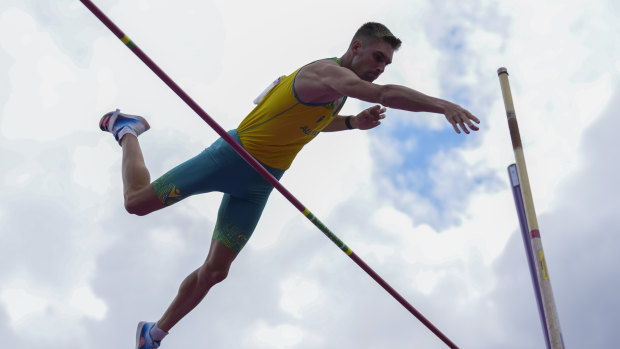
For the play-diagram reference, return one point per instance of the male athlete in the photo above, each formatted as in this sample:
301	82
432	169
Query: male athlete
289	114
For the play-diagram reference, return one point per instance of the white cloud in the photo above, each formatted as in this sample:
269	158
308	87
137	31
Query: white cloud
277	337
41	73
94	175
21	304
166	240
28	303
300	295
88	303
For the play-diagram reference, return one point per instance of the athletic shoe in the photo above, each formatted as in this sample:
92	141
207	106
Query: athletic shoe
143	336
120	124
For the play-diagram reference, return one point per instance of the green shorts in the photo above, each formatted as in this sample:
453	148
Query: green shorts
221	168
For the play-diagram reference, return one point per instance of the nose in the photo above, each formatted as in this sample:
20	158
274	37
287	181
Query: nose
380	68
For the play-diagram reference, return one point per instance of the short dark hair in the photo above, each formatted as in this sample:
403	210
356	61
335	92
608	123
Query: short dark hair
376	31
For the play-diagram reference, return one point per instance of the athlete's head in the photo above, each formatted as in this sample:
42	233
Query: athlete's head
373	31
371	50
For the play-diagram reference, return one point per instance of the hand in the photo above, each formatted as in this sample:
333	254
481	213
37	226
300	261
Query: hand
458	116
369	118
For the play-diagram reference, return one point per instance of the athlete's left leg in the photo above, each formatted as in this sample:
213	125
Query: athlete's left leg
140	197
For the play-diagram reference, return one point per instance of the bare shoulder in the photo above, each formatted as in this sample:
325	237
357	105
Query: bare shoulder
313	83
319	69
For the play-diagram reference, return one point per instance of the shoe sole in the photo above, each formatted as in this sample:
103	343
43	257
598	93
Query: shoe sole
104	122
139	333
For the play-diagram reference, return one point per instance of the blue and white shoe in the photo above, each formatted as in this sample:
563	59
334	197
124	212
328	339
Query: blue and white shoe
143	336
120	124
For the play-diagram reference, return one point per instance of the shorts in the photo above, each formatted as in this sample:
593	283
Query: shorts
221	168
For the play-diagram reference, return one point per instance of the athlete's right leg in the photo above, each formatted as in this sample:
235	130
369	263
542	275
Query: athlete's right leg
191	292
197	284
237	219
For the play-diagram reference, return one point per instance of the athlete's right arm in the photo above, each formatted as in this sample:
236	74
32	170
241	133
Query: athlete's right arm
347	83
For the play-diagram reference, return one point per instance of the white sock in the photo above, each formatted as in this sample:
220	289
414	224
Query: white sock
123	131
157	333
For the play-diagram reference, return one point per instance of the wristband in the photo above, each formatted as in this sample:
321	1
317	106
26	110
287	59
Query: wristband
347	121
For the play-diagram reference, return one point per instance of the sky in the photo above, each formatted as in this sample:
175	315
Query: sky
429	210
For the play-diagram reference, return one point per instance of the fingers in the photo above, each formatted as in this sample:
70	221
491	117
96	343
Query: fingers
465	126
469	122
375	112
472	117
379	110
456	125
379	115
370	117
462	120
376	109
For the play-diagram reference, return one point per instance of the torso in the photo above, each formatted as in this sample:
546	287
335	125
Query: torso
288	117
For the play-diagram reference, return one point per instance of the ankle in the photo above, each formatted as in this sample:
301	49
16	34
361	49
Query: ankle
125	134
157	333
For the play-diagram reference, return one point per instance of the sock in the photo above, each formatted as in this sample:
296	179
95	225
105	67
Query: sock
157	333
123	131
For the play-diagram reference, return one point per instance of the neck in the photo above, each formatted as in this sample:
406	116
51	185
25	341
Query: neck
346	59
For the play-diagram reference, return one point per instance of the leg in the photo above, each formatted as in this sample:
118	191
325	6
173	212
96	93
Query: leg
237	218
196	285
140	197
219	168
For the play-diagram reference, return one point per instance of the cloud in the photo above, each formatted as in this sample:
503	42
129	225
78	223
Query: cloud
280	336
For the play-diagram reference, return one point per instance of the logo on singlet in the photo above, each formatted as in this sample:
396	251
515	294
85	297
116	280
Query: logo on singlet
308	131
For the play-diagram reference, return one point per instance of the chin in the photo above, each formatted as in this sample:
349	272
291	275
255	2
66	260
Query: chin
369	78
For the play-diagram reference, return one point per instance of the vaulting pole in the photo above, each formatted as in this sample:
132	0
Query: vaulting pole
531	261
542	273
260	169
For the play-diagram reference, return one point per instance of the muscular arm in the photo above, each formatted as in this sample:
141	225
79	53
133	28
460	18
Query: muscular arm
346	82
338	81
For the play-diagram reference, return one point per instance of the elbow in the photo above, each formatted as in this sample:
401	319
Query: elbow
387	97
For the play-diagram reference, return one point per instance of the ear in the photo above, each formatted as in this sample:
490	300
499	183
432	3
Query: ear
356	46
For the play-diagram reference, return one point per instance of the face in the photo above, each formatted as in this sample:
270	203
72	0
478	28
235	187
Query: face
370	60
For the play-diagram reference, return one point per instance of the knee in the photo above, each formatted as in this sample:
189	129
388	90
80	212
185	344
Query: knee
211	275
135	205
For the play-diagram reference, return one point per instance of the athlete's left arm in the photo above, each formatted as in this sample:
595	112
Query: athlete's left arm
367	119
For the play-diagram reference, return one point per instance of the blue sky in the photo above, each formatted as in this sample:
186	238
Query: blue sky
429	210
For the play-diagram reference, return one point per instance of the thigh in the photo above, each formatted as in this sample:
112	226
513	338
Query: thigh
239	213
214	169
217	168
236	220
